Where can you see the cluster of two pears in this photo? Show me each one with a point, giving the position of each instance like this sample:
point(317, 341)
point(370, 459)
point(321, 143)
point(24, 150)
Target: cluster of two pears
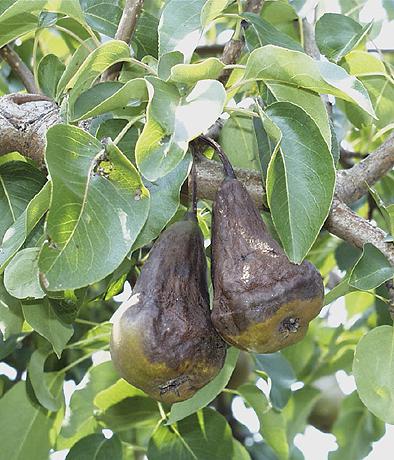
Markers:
point(168, 343)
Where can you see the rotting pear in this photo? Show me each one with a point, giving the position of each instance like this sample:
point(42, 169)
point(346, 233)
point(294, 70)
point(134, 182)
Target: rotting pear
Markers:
point(262, 301)
point(164, 342)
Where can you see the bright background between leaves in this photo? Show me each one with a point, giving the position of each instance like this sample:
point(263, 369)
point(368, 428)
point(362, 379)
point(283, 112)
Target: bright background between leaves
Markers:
point(59, 391)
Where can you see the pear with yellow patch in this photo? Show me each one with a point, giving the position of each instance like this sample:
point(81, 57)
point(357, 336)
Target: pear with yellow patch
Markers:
point(262, 301)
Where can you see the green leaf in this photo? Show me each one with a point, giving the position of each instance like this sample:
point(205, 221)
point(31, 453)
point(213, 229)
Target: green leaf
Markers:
point(381, 91)
point(50, 70)
point(96, 447)
point(8, 346)
point(134, 412)
point(11, 318)
point(67, 306)
point(80, 55)
point(301, 179)
point(164, 202)
point(115, 394)
point(373, 369)
point(21, 277)
point(25, 223)
point(112, 127)
point(310, 102)
point(298, 409)
point(212, 9)
point(19, 182)
point(38, 379)
point(82, 419)
point(16, 26)
point(238, 139)
point(355, 429)
point(25, 426)
point(173, 121)
point(97, 338)
point(301, 354)
point(101, 190)
point(108, 96)
point(240, 452)
point(145, 37)
point(100, 59)
point(271, 63)
point(386, 211)
point(279, 370)
point(337, 291)
point(202, 436)
point(361, 63)
point(43, 320)
point(272, 423)
point(167, 62)
point(337, 35)
point(191, 73)
point(260, 32)
point(180, 27)
point(70, 8)
point(371, 270)
point(102, 16)
point(207, 394)
point(389, 7)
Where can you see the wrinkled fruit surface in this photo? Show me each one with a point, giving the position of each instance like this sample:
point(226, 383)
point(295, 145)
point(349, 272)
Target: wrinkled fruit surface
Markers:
point(165, 343)
point(262, 301)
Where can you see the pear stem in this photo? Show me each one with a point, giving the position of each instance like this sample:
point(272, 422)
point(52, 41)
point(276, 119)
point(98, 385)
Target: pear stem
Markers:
point(228, 169)
point(194, 188)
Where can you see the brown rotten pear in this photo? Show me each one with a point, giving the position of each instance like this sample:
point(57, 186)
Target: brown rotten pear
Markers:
point(262, 301)
point(165, 343)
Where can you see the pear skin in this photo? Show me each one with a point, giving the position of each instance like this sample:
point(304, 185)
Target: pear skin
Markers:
point(262, 301)
point(164, 343)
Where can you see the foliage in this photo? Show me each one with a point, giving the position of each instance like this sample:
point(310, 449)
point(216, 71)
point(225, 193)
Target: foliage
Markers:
point(116, 165)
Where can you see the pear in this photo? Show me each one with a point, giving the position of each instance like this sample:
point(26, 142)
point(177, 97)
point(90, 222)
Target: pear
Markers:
point(262, 301)
point(164, 342)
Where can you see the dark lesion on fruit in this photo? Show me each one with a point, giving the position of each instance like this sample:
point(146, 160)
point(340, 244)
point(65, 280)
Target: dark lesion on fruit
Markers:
point(289, 325)
point(173, 385)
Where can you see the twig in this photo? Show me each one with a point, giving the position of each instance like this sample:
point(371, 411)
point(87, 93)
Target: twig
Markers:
point(353, 183)
point(20, 68)
point(209, 50)
point(126, 28)
point(233, 49)
point(308, 34)
point(349, 226)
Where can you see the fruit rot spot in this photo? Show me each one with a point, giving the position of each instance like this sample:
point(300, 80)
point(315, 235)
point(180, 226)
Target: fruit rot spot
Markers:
point(289, 325)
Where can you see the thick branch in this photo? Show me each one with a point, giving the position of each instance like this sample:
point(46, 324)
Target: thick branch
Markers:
point(126, 29)
point(348, 226)
point(25, 118)
point(24, 121)
point(353, 183)
point(233, 49)
point(19, 68)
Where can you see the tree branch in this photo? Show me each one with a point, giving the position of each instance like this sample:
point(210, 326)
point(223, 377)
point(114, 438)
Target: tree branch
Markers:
point(19, 68)
point(24, 121)
point(353, 183)
point(233, 48)
point(126, 29)
point(349, 226)
point(310, 47)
